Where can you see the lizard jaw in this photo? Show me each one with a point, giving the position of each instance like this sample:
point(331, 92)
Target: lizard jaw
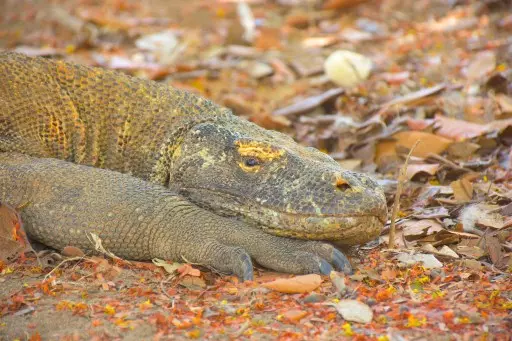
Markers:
point(344, 228)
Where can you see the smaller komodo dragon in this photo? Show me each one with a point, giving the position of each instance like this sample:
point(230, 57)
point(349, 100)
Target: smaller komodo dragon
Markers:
point(201, 183)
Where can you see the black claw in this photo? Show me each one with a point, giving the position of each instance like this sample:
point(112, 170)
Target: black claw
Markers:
point(341, 262)
point(247, 271)
point(325, 268)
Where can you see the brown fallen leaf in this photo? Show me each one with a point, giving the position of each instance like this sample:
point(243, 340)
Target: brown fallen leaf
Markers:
point(350, 164)
point(416, 229)
point(268, 121)
point(462, 190)
point(295, 285)
point(298, 20)
point(355, 311)
point(268, 38)
point(106, 271)
point(462, 149)
point(458, 129)
point(295, 315)
point(505, 103)
point(193, 283)
point(473, 252)
point(492, 246)
point(427, 168)
point(338, 4)
point(430, 143)
point(471, 264)
point(9, 249)
point(187, 269)
point(389, 274)
point(338, 280)
point(482, 64)
point(72, 251)
point(13, 240)
point(413, 98)
point(309, 103)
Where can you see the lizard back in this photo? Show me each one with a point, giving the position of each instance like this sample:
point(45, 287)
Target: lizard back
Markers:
point(90, 115)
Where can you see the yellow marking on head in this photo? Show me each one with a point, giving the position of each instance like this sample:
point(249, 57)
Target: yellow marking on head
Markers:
point(252, 169)
point(208, 158)
point(260, 150)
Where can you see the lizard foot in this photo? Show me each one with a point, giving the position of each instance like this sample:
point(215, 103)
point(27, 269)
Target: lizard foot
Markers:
point(286, 254)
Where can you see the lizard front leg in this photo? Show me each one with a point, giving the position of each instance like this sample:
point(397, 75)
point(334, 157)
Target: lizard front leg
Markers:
point(139, 220)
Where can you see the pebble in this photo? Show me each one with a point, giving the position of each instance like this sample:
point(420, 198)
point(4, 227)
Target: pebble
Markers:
point(314, 298)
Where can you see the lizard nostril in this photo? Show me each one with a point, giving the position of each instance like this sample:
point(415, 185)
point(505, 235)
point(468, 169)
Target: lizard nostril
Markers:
point(341, 183)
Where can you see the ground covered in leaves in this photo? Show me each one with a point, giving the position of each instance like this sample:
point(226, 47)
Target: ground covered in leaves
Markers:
point(363, 82)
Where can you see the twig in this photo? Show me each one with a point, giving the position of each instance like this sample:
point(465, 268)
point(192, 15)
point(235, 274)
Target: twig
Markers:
point(396, 205)
point(98, 246)
point(170, 278)
point(438, 157)
point(242, 329)
point(64, 261)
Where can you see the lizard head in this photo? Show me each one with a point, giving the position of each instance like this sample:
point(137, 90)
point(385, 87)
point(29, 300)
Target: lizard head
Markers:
point(240, 169)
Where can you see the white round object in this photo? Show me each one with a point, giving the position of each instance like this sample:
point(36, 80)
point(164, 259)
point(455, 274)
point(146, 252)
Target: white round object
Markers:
point(347, 68)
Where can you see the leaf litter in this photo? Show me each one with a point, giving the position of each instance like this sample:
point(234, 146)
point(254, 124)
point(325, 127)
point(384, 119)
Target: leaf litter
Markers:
point(440, 73)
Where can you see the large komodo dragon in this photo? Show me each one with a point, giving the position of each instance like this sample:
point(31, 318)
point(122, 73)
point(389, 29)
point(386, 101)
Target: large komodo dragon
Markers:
point(199, 183)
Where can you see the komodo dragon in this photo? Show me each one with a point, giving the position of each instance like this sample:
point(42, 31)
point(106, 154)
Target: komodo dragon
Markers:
point(200, 183)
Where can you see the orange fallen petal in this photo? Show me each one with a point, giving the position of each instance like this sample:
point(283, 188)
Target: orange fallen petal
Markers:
point(295, 285)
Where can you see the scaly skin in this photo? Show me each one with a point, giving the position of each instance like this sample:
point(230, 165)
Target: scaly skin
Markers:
point(200, 151)
point(136, 219)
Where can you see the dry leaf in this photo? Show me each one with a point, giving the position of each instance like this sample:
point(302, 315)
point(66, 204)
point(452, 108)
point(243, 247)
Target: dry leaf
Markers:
point(170, 268)
point(388, 274)
point(295, 285)
point(193, 283)
point(309, 103)
point(462, 190)
point(354, 311)
point(415, 229)
point(187, 269)
point(13, 241)
point(338, 279)
point(493, 247)
point(430, 143)
point(447, 251)
point(268, 38)
point(505, 103)
point(472, 264)
point(350, 164)
point(473, 252)
point(338, 4)
point(458, 129)
point(482, 64)
point(72, 251)
point(112, 272)
point(295, 315)
point(427, 168)
point(462, 149)
point(414, 98)
point(429, 261)
point(298, 20)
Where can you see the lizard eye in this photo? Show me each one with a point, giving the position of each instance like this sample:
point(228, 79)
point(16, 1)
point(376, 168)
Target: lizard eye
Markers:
point(252, 162)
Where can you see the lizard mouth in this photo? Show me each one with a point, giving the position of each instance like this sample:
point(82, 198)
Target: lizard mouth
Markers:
point(344, 229)
point(348, 228)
